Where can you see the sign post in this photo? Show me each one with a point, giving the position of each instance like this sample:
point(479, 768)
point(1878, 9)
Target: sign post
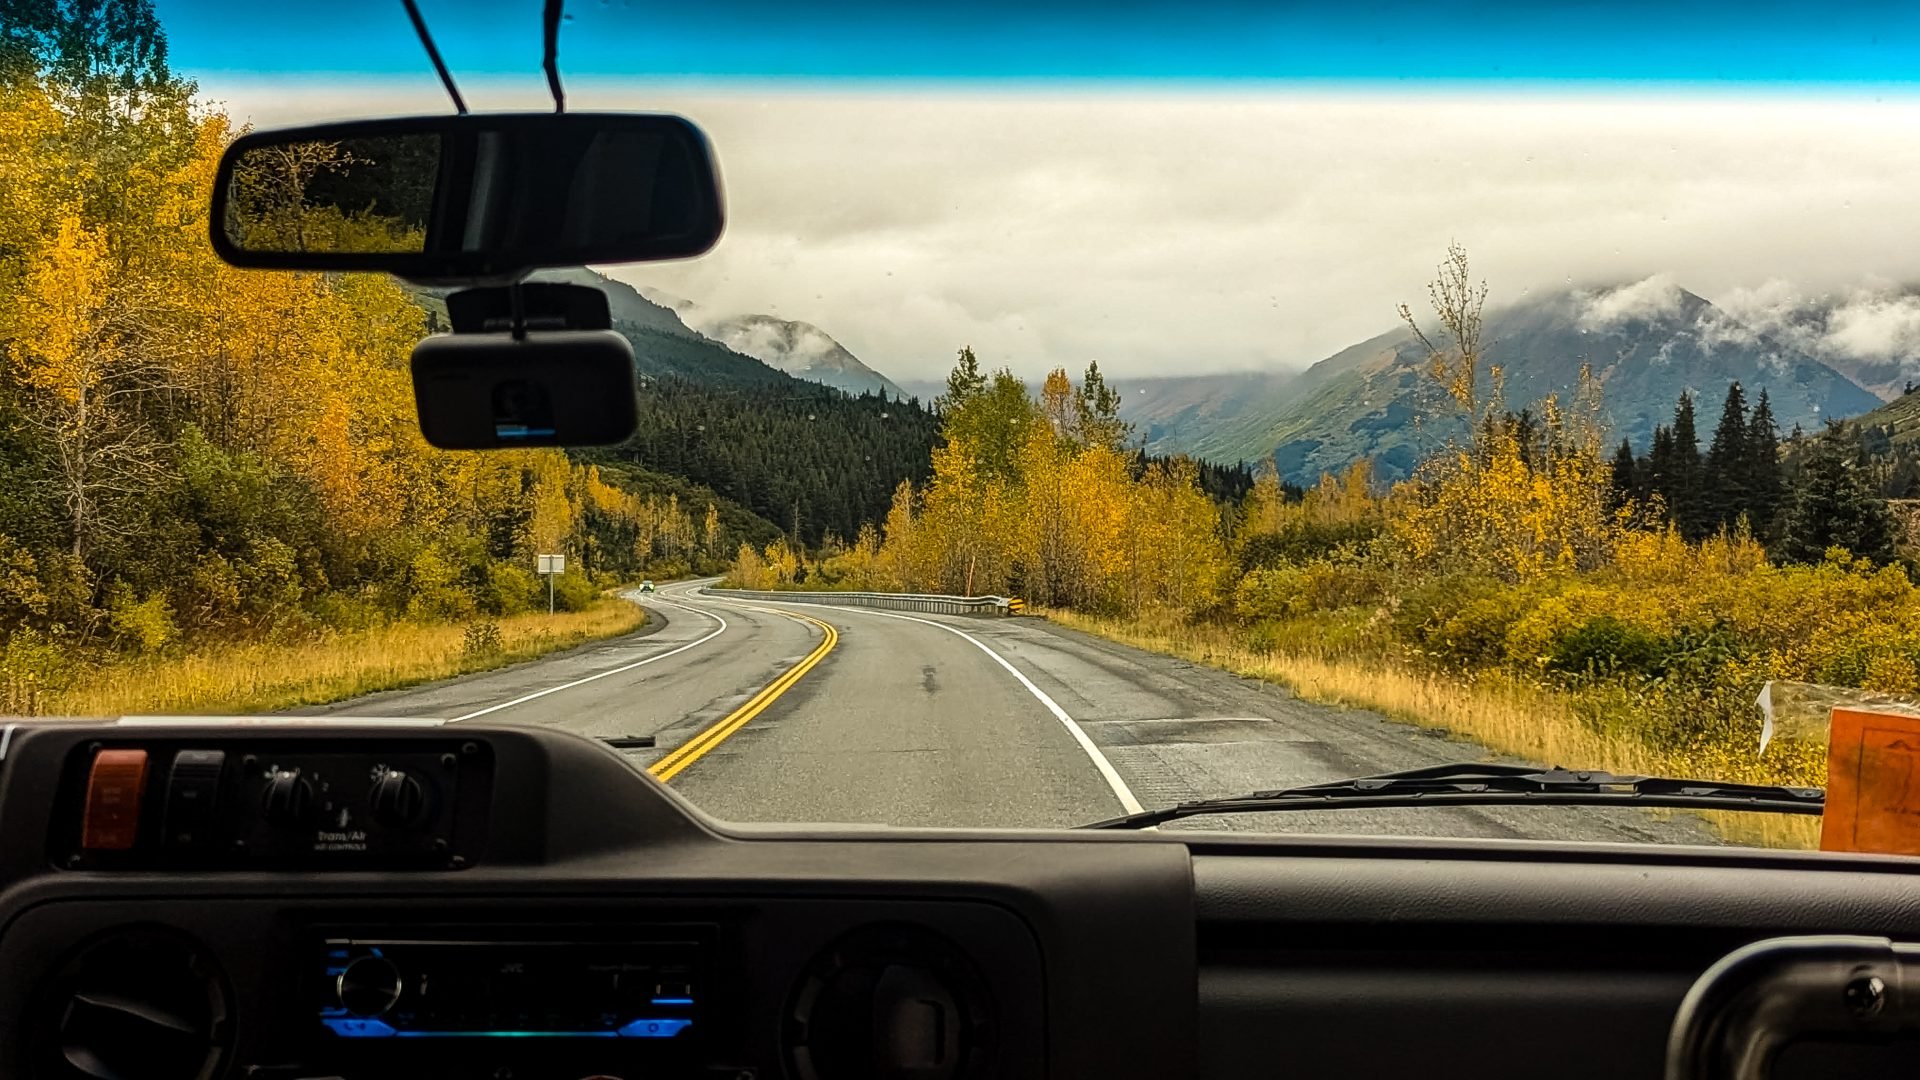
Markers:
point(551, 565)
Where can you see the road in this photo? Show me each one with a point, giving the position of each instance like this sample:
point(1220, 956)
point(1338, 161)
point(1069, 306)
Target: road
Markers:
point(809, 713)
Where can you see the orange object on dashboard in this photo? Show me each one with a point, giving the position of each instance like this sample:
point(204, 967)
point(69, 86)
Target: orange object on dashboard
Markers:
point(118, 780)
point(1873, 783)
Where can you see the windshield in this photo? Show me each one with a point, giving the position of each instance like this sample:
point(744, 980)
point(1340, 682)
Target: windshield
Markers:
point(1085, 410)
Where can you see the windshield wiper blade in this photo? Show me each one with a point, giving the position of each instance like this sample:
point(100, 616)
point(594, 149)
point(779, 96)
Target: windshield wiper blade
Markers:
point(1468, 784)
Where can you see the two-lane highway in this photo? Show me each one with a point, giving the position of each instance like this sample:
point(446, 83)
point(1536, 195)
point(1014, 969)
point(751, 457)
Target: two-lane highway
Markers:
point(778, 711)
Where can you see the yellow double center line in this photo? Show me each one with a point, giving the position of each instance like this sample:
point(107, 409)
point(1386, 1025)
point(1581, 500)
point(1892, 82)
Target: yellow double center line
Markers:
point(695, 748)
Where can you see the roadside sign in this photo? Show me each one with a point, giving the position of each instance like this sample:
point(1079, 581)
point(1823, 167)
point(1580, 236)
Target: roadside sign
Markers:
point(551, 566)
point(1016, 605)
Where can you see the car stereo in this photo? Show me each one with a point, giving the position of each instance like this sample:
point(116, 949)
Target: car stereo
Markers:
point(614, 1001)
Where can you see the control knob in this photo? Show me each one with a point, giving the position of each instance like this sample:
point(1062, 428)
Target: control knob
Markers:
point(369, 986)
point(288, 799)
point(398, 799)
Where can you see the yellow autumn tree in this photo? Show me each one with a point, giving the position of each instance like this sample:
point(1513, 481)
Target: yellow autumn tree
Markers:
point(76, 347)
point(1064, 518)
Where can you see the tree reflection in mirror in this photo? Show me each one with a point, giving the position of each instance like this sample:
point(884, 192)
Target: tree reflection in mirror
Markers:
point(363, 195)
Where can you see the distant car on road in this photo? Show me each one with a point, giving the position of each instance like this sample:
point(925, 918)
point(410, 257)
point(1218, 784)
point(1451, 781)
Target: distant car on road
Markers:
point(646, 586)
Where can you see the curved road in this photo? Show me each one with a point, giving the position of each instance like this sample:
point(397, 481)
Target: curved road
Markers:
point(959, 721)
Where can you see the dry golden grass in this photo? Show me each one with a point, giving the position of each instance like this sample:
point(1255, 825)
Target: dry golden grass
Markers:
point(1509, 717)
point(267, 676)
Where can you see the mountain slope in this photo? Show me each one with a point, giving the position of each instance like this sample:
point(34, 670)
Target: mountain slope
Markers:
point(1646, 342)
point(1898, 421)
point(1180, 413)
point(800, 349)
point(804, 457)
point(663, 345)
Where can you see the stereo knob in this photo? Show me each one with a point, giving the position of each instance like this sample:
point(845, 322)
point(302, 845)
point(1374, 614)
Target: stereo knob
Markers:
point(288, 799)
point(369, 986)
point(398, 799)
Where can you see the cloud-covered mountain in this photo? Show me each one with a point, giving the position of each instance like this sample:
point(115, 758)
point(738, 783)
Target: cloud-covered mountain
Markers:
point(1646, 342)
point(800, 349)
point(663, 345)
point(1869, 333)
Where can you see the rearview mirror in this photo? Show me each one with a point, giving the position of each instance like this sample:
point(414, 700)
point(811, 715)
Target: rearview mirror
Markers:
point(467, 198)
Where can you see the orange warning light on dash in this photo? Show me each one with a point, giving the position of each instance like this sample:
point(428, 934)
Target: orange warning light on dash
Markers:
point(1873, 784)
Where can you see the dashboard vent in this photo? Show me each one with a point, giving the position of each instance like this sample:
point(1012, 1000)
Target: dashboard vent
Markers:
point(140, 1003)
point(890, 1002)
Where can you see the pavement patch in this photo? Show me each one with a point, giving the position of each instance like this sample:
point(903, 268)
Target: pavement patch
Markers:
point(1171, 731)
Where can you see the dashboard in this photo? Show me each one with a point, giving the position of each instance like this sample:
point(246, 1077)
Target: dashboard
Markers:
point(313, 900)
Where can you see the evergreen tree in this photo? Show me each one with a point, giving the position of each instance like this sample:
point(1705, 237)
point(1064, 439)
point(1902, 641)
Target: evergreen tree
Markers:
point(1727, 480)
point(1526, 434)
point(1685, 503)
point(1098, 409)
point(1834, 507)
point(964, 383)
point(1655, 473)
point(1764, 485)
point(1624, 488)
point(783, 446)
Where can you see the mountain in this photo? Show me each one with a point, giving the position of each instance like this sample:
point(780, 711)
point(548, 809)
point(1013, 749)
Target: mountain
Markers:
point(663, 345)
point(1894, 425)
point(1176, 414)
point(800, 349)
point(925, 391)
point(1869, 333)
point(1647, 342)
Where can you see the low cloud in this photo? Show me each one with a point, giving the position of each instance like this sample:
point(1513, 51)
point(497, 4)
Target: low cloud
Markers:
point(1173, 231)
point(1876, 328)
point(1651, 298)
point(1873, 323)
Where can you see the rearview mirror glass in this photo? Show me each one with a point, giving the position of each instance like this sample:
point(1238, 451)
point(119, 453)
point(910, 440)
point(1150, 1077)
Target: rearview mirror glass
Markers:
point(468, 197)
point(546, 388)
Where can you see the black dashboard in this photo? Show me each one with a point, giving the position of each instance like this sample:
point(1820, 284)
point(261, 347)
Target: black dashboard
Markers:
point(338, 901)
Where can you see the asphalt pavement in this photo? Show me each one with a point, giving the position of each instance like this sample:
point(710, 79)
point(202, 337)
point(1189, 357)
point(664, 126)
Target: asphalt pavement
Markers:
point(915, 719)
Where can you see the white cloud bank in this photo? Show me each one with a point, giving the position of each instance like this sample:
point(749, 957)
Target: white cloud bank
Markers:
point(1172, 232)
point(1872, 326)
point(1652, 297)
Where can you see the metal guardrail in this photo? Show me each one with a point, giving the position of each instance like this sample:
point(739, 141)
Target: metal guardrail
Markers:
point(941, 605)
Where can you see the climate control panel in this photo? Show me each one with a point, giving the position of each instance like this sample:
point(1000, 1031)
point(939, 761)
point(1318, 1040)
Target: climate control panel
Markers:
point(394, 803)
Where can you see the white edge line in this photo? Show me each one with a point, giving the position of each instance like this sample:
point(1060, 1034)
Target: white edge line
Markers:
point(610, 671)
point(1107, 772)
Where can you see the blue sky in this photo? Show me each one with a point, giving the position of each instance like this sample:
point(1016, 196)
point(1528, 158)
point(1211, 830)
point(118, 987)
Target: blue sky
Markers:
point(1712, 43)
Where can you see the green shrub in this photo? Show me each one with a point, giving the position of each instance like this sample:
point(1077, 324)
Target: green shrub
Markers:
point(1300, 541)
point(482, 640)
point(510, 590)
point(347, 611)
point(1605, 645)
point(434, 588)
point(139, 625)
point(1319, 585)
point(32, 665)
point(269, 579)
point(572, 591)
point(1459, 618)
